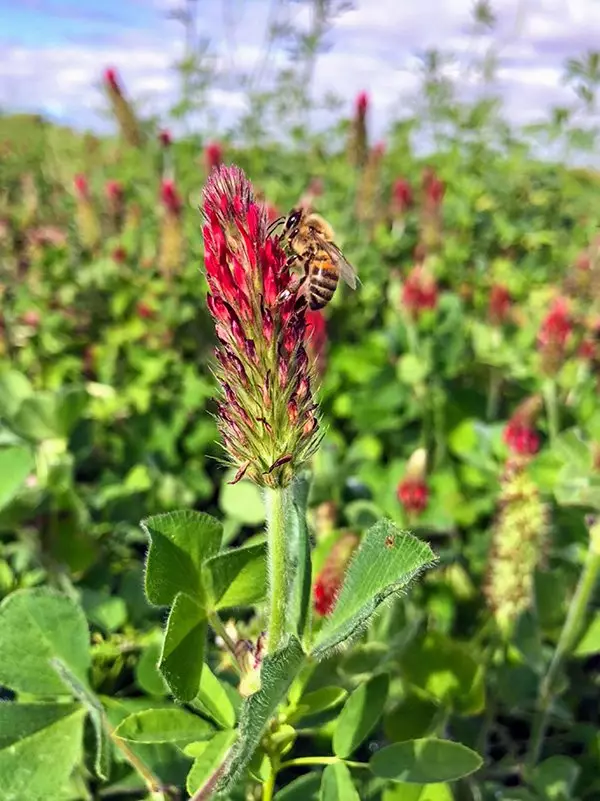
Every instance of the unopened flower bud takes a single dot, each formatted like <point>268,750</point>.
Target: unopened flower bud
<point>412,491</point>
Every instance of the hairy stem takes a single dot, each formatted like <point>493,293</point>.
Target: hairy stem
<point>277,501</point>
<point>568,637</point>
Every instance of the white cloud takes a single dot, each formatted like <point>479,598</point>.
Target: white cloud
<point>372,47</point>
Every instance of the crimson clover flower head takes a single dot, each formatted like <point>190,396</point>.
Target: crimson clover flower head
<point>499,304</point>
<point>362,103</point>
<point>267,416</point>
<point>519,433</point>
<point>170,196</point>
<point>402,196</point>
<point>111,79</point>
<point>165,138</point>
<point>114,191</point>
<point>82,189</point>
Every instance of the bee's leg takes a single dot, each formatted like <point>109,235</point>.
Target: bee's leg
<point>293,288</point>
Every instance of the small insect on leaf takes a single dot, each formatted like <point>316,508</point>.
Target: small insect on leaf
<point>390,541</point>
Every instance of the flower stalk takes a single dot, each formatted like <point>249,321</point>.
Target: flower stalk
<point>568,638</point>
<point>277,502</point>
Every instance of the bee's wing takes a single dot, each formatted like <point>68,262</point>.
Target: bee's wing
<point>347,271</point>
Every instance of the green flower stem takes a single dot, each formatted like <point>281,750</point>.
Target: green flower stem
<point>568,637</point>
<point>299,761</point>
<point>269,785</point>
<point>551,401</point>
<point>493,395</point>
<point>412,335</point>
<point>277,503</point>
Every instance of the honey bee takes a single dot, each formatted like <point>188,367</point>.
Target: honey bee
<point>310,238</point>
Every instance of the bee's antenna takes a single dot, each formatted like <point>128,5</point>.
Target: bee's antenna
<point>274,225</point>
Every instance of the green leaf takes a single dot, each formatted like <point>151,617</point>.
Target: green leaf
<point>35,626</point>
<point>183,648</point>
<point>147,674</point>
<point>208,761</point>
<point>164,726</point>
<point>412,370</point>
<point>412,718</point>
<point>179,543</point>
<point>590,642</point>
<point>242,502</point>
<point>96,713</point>
<point>318,701</point>
<point>48,415</point>
<point>425,761</point>
<point>417,792</point>
<point>108,612</point>
<point>304,788</point>
<point>337,784</point>
<point>15,465</point>
<point>14,388</point>
<point>384,565</point>
<point>40,745</point>
<point>212,700</point>
<point>446,670</point>
<point>277,673</point>
<point>360,714</point>
<point>556,777</point>
<point>236,577</point>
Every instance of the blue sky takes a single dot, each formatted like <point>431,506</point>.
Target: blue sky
<point>52,52</point>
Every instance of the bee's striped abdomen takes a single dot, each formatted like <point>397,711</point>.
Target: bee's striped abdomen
<point>323,278</point>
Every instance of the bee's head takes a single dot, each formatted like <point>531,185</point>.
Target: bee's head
<point>293,219</point>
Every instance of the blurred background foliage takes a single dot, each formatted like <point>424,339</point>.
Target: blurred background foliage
<point>459,387</point>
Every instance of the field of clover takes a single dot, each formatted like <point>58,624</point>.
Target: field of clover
<point>251,551</point>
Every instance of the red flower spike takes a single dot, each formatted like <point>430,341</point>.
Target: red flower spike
<point>556,326</point>
<point>433,188</point>
<point>521,438</point>
<point>170,197</point>
<point>413,494</point>
<point>213,156</point>
<point>144,311</point>
<point>114,191</point>
<point>111,79</point>
<point>402,196</point>
<point>500,304</point>
<point>165,138</point>
<point>261,337</point>
<point>412,491</point>
<point>119,254</point>
<point>331,576</point>
<point>519,433</point>
<point>588,349</point>
<point>362,103</point>
<point>419,291</point>
<point>80,183</point>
